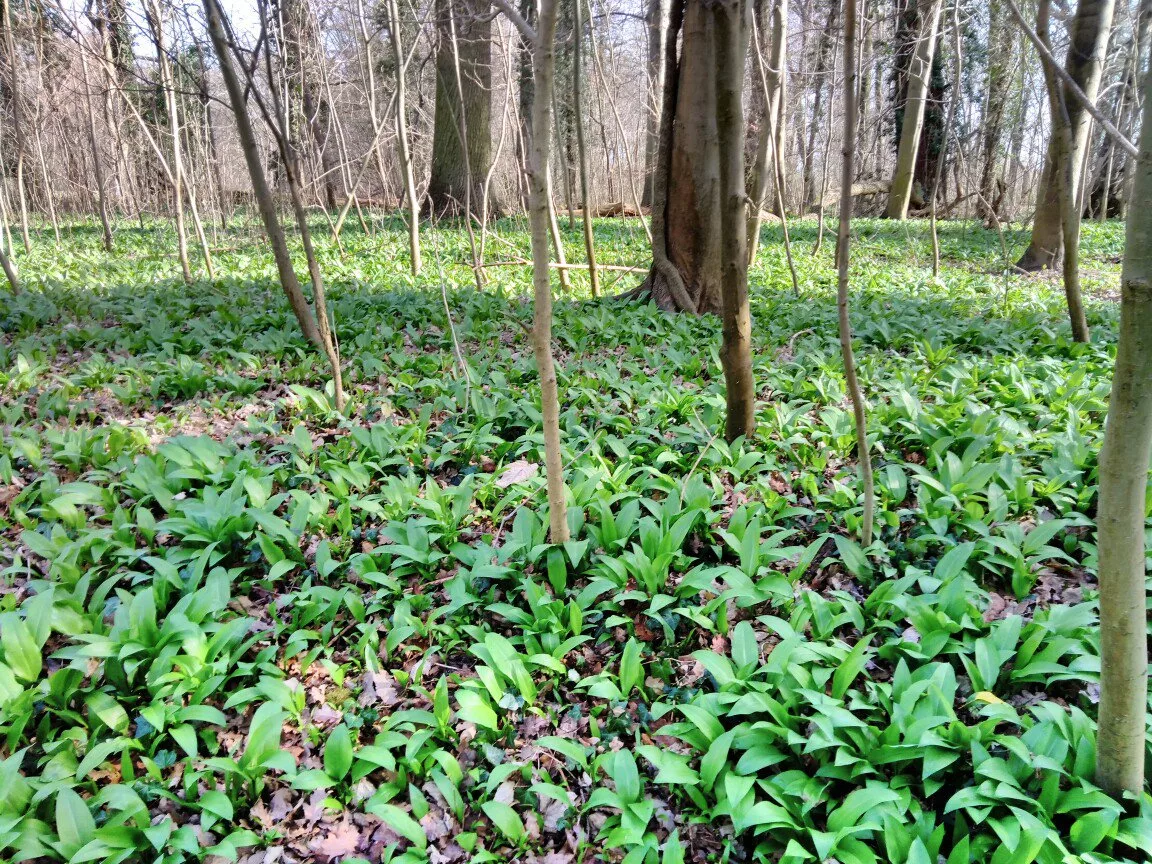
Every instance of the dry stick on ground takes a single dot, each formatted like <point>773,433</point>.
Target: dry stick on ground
<point>543,43</point>
<point>851,106</point>
<point>953,98</point>
<point>582,150</point>
<point>1120,745</point>
<point>778,174</point>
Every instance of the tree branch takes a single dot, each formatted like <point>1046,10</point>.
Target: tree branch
<point>517,19</point>
<point>1070,84</point>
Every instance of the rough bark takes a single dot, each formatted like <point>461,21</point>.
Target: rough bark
<point>843,237</point>
<point>9,271</point>
<point>919,78</point>
<point>998,78</point>
<point>460,160</point>
<point>1085,64</point>
<point>1120,747</point>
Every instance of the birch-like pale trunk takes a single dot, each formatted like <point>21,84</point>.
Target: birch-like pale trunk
<point>402,146</point>
<point>919,75</point>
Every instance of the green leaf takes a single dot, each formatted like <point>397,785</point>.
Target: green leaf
<point>109,711</point>
<point>622,770</point>
<point>75,826</point>
<point>400,822</point>
<point>631,669</point>
<point>264,732</point>
<point>20,650</point>
<point>474,709</point>
<point>217,803</point>
<point>850,667</point>
<point>745,651</point>
<point>852,555</point>
<point>338,753</point>
<point>504,818</point>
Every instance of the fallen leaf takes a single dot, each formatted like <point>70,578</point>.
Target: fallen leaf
<point>517,472</point>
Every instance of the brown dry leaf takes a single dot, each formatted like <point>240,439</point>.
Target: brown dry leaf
<point>282,804</point>
<point>379,688</point>
<point>517,472</point>
<point>343,839</point>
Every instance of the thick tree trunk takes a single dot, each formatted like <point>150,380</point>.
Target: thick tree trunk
<point>919,77</point>
<point>1120,747</point>
<point>1085,64</point>
<point>458,173</point>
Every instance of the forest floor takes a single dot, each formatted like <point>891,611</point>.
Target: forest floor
<point>237,625</point>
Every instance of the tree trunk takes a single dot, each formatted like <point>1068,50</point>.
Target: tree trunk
<point>768,155</point>
<point>656,21</point>
<point>9,270</point>
<point>919,75</point>
<point>302,43</point>
<point>1120,747</point>
<point>843,237</point>
<point>543,66</point>
<point>17,124</point>
<point>586,205</point>
<point>457,174</point>
<point>1001,60</point>
<point>262,192</point>
<point>1085,64</point>
<point>402,146</point>
<point>731,26</point>
<point>820,73</point>
<point>97,165</point>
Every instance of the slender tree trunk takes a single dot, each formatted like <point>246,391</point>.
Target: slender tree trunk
<point>941,162</point>
<point>999,81</point>
<point>261,190</point>
<point>1088,44</point>
<point>768,145</point>
<point>402,145</point>
<point>1062,153</point>
<point>543,66</point>
<point>732,19</point>
<point>1120,746</point>
<point>97,165</point>
<point>656,21</point>
<point>586,204</point>
<point>843,236</point>
<point>9,271</point>
<point>919,75</point>
<point>17,122</point>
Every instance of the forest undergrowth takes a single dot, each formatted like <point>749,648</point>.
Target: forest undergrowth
<point>237,625</point>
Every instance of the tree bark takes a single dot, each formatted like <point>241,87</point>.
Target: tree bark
<point>17,122</point>
<point>543,68</point>
<point>843,239</point>
<point>1085,64</point>
<point>919,76</point>
<point>1120,746</point>
<point>9,270</point>
<point>457,173</point>
<point>1001,60</point>
<point>732,19</point>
